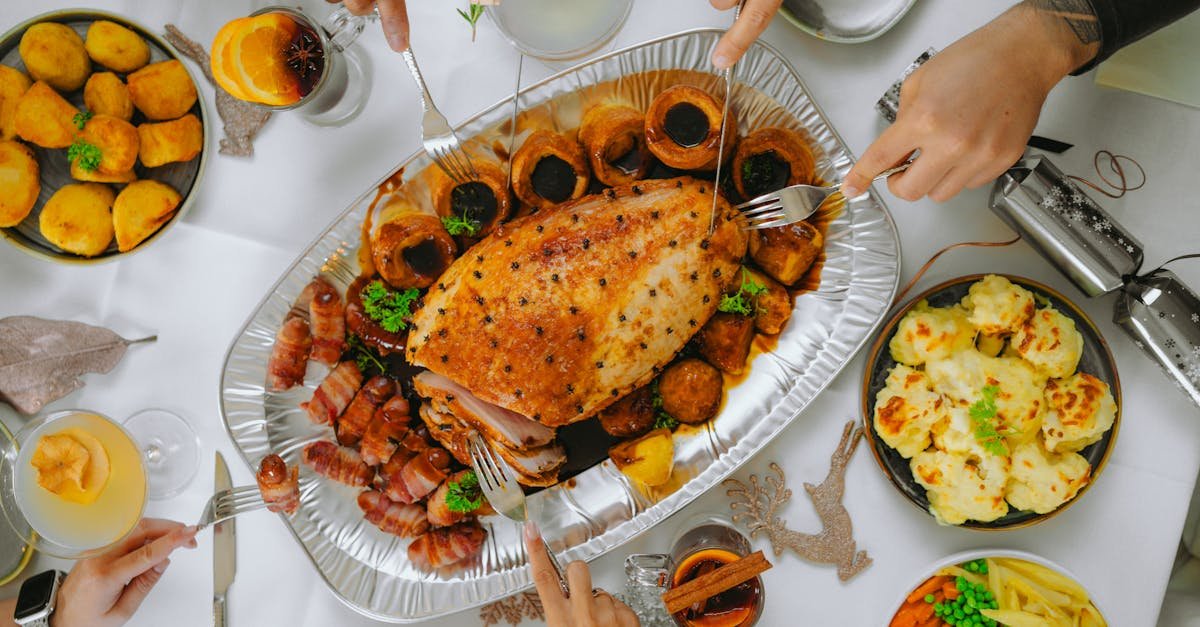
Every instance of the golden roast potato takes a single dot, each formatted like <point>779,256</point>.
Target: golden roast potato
<point>78,218</point>
<point>96,176</point>
<point>106,94</point>
<point>45,118</point>
<point>168,142</point>
<point>162,91</point>
<point>116,47</point>
<point>54,53</point>
<point>19,183</point>
<point>140,209</point>
<point>118,143</point>
<point>13,85</point>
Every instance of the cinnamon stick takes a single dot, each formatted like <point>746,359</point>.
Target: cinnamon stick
<point>706,586</point>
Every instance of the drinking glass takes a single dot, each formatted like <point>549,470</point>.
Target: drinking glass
<point>649,575</point>
<point>559,30</point>
<point>170,450</point>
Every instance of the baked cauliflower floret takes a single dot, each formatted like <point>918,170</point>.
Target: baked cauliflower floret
<point>1049,341</point>
<point>927,333</point>
<point>998,306</point>
<point>963,487</point>
<point>905,409</point>
<point>1079,409</point>
<point>1041,481</point>
<point>1019,402</point>
<point>954,432</point>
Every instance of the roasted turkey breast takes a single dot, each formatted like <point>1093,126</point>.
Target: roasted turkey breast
<point>559,314</point>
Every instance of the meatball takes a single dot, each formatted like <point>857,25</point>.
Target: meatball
<point>630,416</point>
<point>691,390</point>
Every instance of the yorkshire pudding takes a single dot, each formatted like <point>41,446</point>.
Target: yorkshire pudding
<point>770,159</point>
<point>411,248</point>
<point>482,203</point>
<point>683,128</point>
<point>549,169</point>
<point>613,138</point>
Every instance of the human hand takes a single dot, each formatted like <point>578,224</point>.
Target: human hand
<point>106,590</point>
<point>392,14</point>
<point>587,606</point>
<point>754,19</point>
<point>970,109</point>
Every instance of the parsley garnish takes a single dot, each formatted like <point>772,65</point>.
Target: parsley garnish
<point>460,225</point>
<point>662,420</point>
<point>464,495</point>
<point>368,361</point>
<point>471,15</point>
<point>745,301</point>
<point>391,309</point>
<point>81,119</point>
<point>88,155</point>
<point>983,415</point>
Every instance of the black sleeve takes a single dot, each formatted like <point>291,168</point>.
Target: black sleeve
<point>1123,22</point>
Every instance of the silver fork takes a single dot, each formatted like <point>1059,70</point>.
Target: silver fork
<point>229,503</point>
<point>440,141</point>
<point>499,484</point>
<point>795,203</point>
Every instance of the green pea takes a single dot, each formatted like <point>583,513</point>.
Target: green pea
<point>929,598</point>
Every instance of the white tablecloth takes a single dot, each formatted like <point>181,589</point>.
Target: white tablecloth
<point>195,287</point>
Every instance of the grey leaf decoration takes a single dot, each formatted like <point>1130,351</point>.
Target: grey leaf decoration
<point>41,360</point>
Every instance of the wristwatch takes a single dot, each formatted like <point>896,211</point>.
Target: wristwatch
<point>38,596</point>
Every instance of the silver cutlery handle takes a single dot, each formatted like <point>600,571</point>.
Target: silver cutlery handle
<point>411,62</point>
<point>219,610</point>
<point>558,569</point>
<point>890,171</point>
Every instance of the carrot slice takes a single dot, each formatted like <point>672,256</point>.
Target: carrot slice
<point>904,618</point>
<point>933,583</point>
<point>950,590</point>
<point>923,612</point>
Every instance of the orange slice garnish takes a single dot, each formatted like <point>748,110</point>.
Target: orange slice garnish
<point>259,55</point>
<point>223,69</point>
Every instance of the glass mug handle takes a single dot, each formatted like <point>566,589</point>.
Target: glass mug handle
<point>343,27</point>
<point>647,577</point>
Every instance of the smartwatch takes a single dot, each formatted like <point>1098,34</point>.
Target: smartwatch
<point>36,601</point>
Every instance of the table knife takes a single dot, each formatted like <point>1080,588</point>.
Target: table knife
<point>224,548</point>
<point>728,75</point>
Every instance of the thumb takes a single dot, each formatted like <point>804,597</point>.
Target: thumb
<point>138,589</point>
<point>892,147</point>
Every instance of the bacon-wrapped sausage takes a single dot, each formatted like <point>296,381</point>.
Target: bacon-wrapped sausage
<point>398,519</point>
<point>279,484</point>
<point>340,464</point>
<point>446,546</point>
<point>387,428</point>
<point>353,422</point>
<point>418,477</point>
<point>438,509</point>
<point>334,394</point>
<point>328,319</point>
<point>289,356</point>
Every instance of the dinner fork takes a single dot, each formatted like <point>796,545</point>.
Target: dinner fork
<point>795,203</point>
<point>436,134</point>
<point>226,504</point>
<point>499,484</point>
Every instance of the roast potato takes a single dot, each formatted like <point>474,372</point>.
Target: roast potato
<point>19,183</point>
<point>54,53</point>
<point>45,118</point>
<point>96,176</point>
<point>116,47</point>
<point>140,209</point>
<point>724,341</point>
<point>168,142</point>
<point>691,390</point>
<point>118,143</point>
<point>786,252</point>
<point>774,305</point>
<point>78,218</point>
<point>647,460</point>
<point>106,94</point>
<point>630,416</point>
<point>13,85</point>
<point>162,91</point>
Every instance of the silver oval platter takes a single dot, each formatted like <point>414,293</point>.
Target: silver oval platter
<point>845,21</point>
<point>598,509</point>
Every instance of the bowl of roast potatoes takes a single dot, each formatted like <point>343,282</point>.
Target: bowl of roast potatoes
<point>102,136</point>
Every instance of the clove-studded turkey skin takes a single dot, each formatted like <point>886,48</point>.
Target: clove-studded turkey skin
<point>559,314</point>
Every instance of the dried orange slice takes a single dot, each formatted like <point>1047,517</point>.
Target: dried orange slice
<point>223,69</point>
<point>260,57</point>
<point>95,474</point>
<point>60,461</point>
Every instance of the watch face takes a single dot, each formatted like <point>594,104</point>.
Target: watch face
<point>35,594</point>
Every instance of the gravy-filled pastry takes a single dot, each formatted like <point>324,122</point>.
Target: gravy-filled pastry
<point>770,159</point>
<point>549,169</point>
<point>683,128</point>
<point>410,248</point>
<point>614,142</point>
<point>474,208</point>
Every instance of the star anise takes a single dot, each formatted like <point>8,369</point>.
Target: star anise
<point>305,54</point>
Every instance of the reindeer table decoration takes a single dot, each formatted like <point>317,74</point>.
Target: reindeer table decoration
<point>756,506</point>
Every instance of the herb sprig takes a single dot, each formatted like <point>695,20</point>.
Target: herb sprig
<point>368,361</point>
<point>464,495</point>
<point>745,301</point>
<point>983,416</point>
<point>81,119</point>
<point>471,15</point>
<point>662,420</point>
<point>391,309</point>
<point>460,225</point>
<point>88,154</point>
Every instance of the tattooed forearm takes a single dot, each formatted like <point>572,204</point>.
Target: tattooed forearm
<point>1078,14</point>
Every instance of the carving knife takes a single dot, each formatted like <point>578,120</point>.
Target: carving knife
<point>728,75</point>
<point>224,548</point>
